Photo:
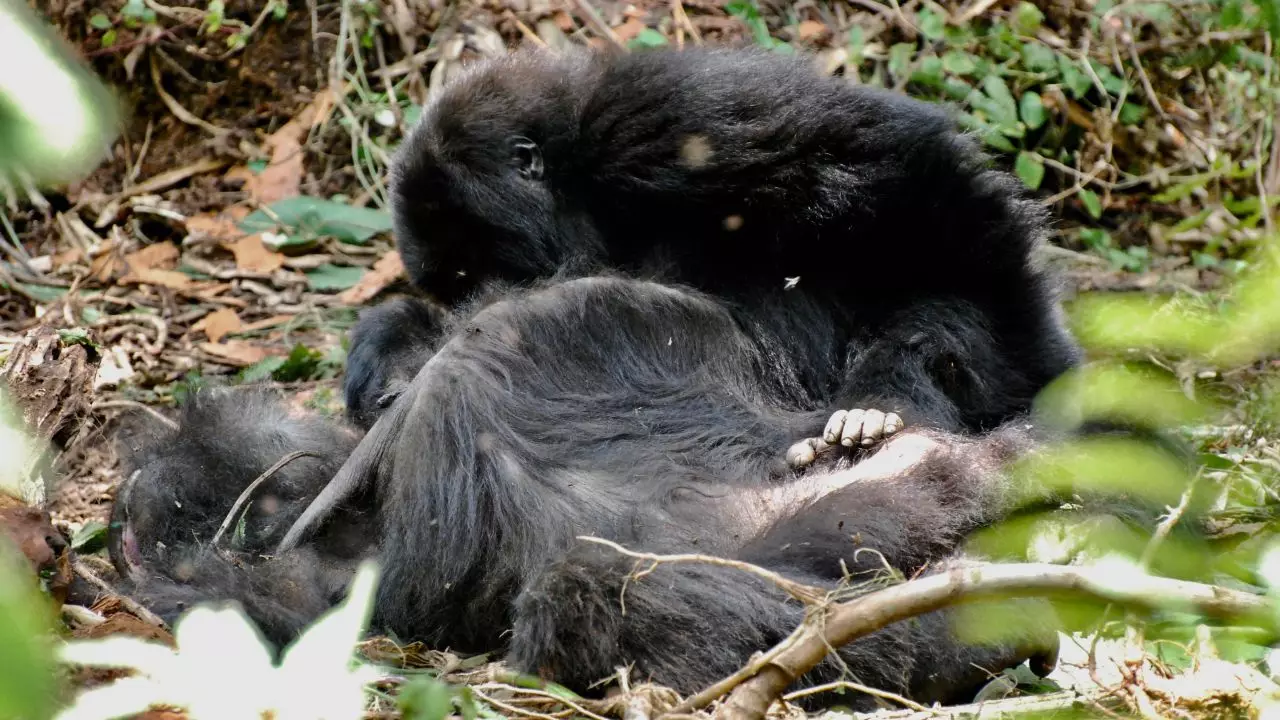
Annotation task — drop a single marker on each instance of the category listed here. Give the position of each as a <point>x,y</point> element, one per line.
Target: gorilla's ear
<point>528,157</point>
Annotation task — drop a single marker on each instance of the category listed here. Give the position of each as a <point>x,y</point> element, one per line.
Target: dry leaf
<point>218,324</point>
<point>218,227</point>
<point>628,30</point>
<point>237,352</point>
<point>171,279</point>
<point>160,256</point>
<point>69,257</point>
<point>107,263</point>
<point>272,321</point>
<point>251,254</point>
<point>114,369</point>
<point>811,30</point>
<point>383,273</point>
<point>282,178</point>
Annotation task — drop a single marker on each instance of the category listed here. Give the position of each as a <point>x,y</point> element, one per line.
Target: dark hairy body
<point>534,438</point>
<point>866,246</point>
<point>625,351</point>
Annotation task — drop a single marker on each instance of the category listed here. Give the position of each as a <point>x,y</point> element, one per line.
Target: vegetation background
<point>239,221</point>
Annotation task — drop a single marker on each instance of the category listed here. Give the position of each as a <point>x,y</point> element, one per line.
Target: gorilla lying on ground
<point>806,247</point>
<point>517,438</point>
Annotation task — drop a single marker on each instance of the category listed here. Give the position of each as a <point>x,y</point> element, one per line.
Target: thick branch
<point>850,620</point>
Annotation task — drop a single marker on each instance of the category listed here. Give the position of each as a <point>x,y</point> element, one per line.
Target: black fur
<point>181,484</point>
<point>633,411</point>
<point>656,414</point>
<point>733,171</point>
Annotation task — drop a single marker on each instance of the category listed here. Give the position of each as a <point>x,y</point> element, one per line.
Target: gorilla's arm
<point>389,344</point>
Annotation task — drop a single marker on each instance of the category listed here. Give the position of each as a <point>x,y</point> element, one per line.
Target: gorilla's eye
<point>528,157</point>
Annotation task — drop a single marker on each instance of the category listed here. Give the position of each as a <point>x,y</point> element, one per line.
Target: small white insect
<point>791,282</point>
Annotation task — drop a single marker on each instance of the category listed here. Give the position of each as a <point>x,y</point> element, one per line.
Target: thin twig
<point>176,108</point>
<point>1136,59</point>
<point>129,603</point>
<point>234,514</point>
<point>598,24</point>
<point>135,405</point>
<point>846,685</point>
<point>806,594</point>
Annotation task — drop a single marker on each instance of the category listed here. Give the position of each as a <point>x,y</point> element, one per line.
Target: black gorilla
<point>660,271</point>
<point>864,244</point>
<point>518,436</point>
<point>181,485</point>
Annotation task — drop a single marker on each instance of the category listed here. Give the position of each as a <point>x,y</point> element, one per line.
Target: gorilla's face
<point>474,185</point>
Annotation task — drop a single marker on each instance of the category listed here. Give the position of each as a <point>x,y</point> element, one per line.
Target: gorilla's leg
<point>688,625</point>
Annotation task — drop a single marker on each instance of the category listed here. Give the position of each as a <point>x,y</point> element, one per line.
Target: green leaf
<point>958,36</point>
<point>1232,15</point>
<point>27,672</point>
<point>109,38</point>
<point>932,24</point>
<point>1039,58</point>
<point>261,370</point>
<point>1110,81</point>
<point>301,364</point>
<point>1003,102</point>
<point>317,216</point>
<point>1001,41</point>
<point>900,59</point>
<point>1030,169</point>
<point>100,21</point>
<point>976,124</point>
<point>42,293</point>
<point>929,71</point>
<point>956,89</point>
<point>857,43</point>
<point>1027,18</point>
<point>1095,239</point>
<point>1074,78</point>
<point>76,336</point>
<point>426,698</point>
<point>1031,108</point>
<point>1092,203</point>
<point>1132,113</point>
<point>334,277</point>
<point>958,62</point>
<point>648,38</point>
<point>91,538</point>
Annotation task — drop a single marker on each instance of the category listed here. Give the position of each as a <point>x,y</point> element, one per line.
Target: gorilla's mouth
<point>122,542</point>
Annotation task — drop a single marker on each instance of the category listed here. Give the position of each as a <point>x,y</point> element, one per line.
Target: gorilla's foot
<point>848,429</point>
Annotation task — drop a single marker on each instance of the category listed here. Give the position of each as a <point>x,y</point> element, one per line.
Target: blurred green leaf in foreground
<point>56,118</point>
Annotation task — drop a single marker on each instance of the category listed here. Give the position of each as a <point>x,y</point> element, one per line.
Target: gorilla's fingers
<point>803,453</point>
<point>852,431</point>
<point>872,427</point>
<point>834,426</point>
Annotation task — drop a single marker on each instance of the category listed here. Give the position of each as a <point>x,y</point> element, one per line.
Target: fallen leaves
<point>236,352</point>
<point>282,177</point>
<point>253,255</point>
<point>218,227</point>
<point>218,324</point>
<point>153,265</point>
<point>384,272</point>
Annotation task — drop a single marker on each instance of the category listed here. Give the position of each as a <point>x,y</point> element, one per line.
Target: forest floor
<point>240,221</point>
